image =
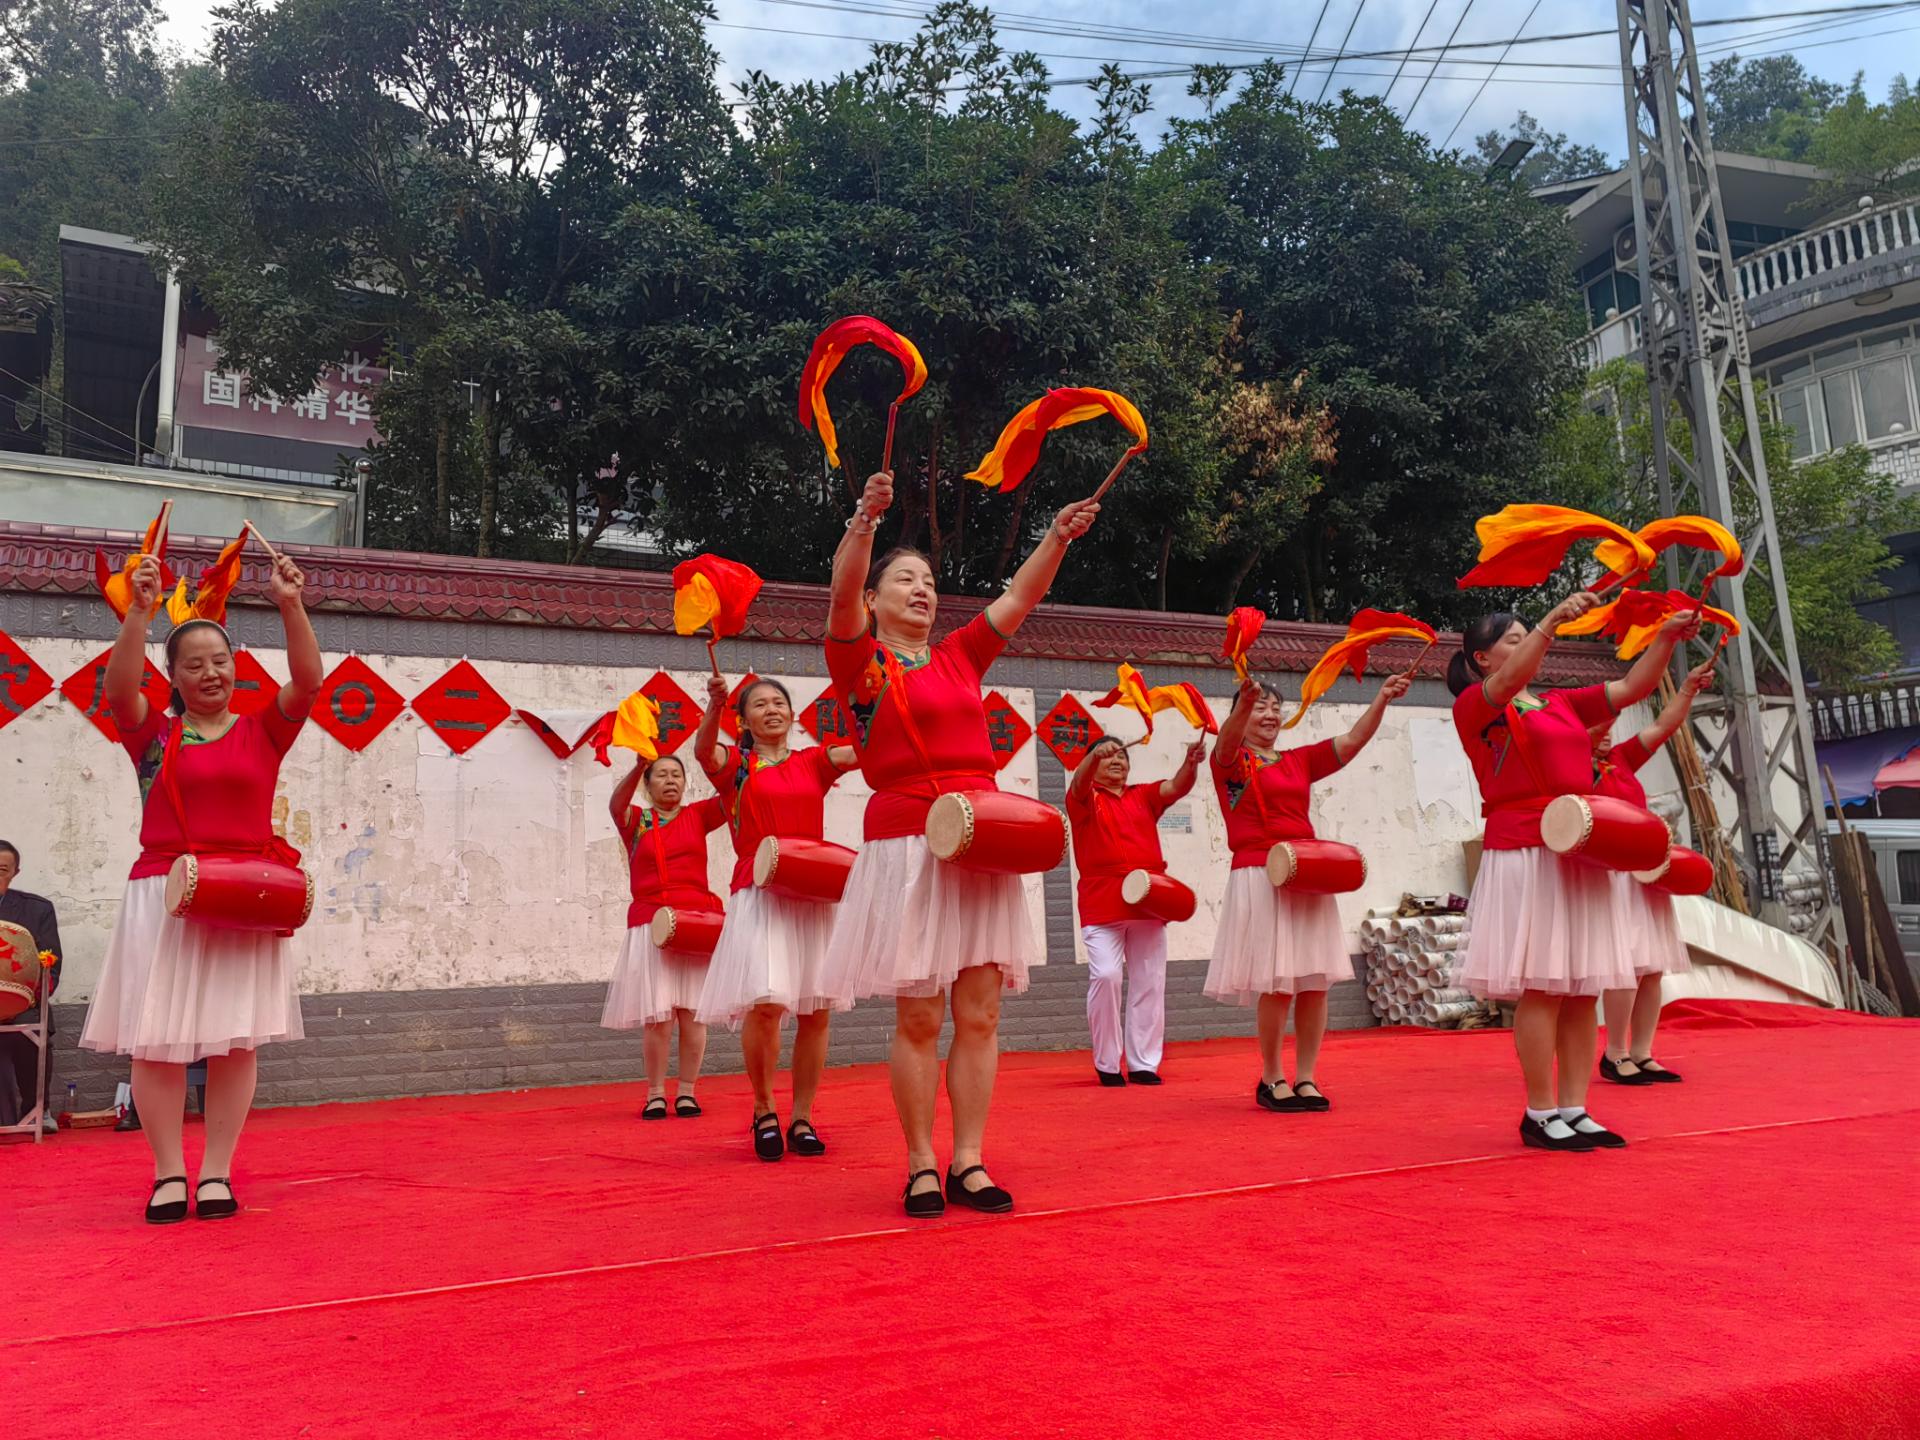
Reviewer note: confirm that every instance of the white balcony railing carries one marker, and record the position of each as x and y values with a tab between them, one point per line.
1884	230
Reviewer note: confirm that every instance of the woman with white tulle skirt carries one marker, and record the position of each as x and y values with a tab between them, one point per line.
654	989
769	960
1541	929
1279	949
1644	915
909	926
177	990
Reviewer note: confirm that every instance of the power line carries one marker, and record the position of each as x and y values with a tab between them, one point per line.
1489	78
1465	11
1328	80
1295	78
1432	6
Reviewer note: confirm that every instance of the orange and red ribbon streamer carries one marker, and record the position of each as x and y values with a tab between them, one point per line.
1243	628
1015	453
1524	544
830	347
1134	693
117	586
1366	630
209	601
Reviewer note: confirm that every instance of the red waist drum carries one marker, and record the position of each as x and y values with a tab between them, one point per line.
240	892
1605	830
19	971
802	869
687	932
1683	872
992	831
1316	867
1160	896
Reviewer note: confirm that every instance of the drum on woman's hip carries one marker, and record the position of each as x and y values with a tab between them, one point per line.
1159	895
240	892
995	832
1316	867
1605	830
686	931
802	869
1683	872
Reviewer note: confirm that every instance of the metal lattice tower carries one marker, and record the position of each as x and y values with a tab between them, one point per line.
1757	738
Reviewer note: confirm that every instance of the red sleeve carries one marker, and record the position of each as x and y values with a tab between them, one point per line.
1154	798
1321	759
281	732
1590	703
629	824
1630	755
821	767
847	662
1079	812
976	644
725	778
139	741
712	815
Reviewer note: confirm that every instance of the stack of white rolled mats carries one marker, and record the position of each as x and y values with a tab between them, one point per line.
1410	970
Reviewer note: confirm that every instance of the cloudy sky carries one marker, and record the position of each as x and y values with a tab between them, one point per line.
1571	85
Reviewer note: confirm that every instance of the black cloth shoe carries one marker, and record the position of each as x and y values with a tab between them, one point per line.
1534	1133
988	1199
766	1137
1266	1099
685	1106
1611	1071
654	1109
1603	1138
1314	1102
217	1209
1656	1073
803	1139
927	1203
1110	1077
1142	1077
174	1211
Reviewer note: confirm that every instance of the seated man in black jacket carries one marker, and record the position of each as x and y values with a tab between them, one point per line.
33	913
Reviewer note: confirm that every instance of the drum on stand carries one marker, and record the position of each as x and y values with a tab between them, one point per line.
1605	830
995	832
240	892
1316	867
1683	872
19	971
802	869
1159	895
687	932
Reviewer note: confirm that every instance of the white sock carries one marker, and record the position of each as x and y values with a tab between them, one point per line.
1540	1117
1550	1121
1578	1118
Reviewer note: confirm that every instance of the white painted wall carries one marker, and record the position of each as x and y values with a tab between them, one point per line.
433	870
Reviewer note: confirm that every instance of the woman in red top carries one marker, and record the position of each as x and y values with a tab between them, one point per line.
174	991
1115	831
1643	915
1279	947
909	926
1540	928
770	955
666	844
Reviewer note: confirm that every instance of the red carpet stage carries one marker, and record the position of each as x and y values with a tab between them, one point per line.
545	1264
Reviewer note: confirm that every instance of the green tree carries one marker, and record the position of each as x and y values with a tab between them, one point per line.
1553	158
1766	106
445	176
1868	149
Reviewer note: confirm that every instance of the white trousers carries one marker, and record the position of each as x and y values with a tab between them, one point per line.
1139	947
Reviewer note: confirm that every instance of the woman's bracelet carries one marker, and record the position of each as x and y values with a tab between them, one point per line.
861	523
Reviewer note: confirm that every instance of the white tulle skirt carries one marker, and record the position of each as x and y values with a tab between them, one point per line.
770	953
175	991
1274	941
909	924
1536	921
649	984
1644	917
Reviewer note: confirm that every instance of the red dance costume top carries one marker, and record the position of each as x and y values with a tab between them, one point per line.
1558	759
227	783
947	720
1112	835
667	860
1266	801
1618	778
786	798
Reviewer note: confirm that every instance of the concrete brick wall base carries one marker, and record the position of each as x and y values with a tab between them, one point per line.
377	1044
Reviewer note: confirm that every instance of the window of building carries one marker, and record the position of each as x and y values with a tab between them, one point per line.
1907	863
1746	238
1858	391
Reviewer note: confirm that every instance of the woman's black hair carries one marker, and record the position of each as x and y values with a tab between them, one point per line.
647	774
885	562
746	694
1483	634
178	702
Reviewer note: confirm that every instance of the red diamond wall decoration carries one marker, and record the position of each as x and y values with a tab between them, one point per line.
355	704
23	684
87	689
461	708
254	688
826	719
1068	730
1007	728
679	716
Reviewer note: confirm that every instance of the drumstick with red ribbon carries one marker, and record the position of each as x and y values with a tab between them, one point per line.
1637	615
716	593
830	347
1135	694
1694	531
1522	545
1366	630
1243	628
116	586
1014	454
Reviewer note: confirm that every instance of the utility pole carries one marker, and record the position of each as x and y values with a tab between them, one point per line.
1757	735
